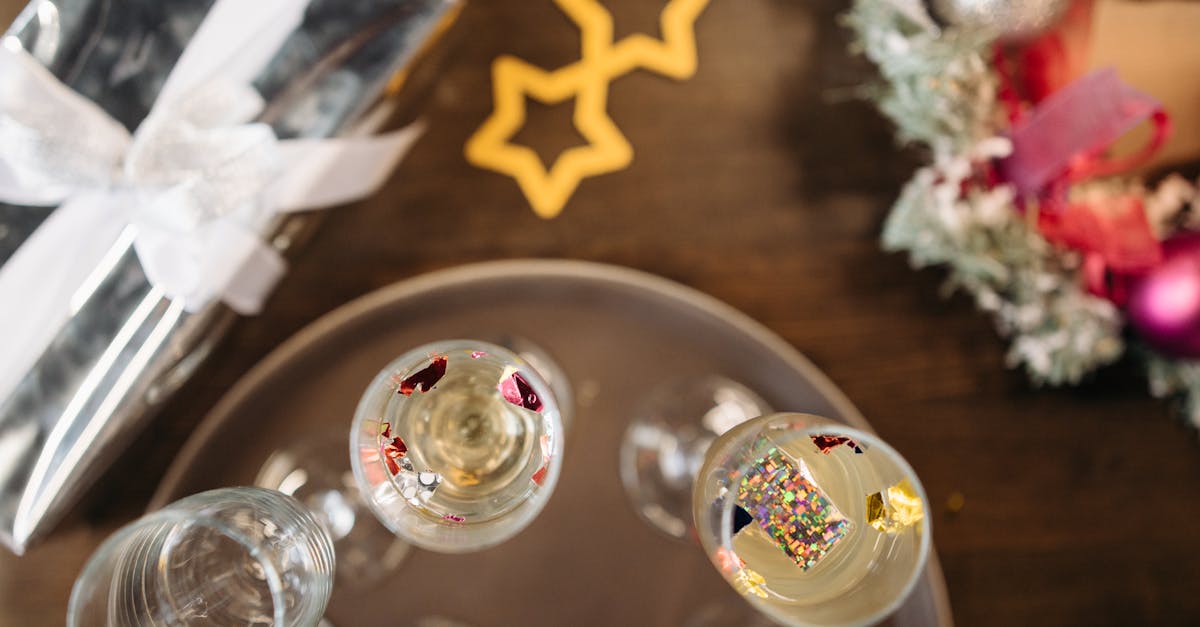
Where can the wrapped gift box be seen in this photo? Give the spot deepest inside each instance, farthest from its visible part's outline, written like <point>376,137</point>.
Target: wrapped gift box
<point>125,346</point>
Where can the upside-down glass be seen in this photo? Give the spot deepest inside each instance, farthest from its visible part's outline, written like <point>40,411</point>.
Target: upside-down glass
<point>232,556</point>
<point>812,521</point>
<point>457,445</point>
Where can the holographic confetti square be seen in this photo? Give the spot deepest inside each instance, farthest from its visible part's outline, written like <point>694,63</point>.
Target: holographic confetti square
<point>791,509</point>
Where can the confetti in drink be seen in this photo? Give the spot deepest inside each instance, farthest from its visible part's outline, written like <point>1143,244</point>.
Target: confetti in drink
<point>728,561</point>
<point>826,443</point>
<point>810,554</point>
<point>539,475</point>
<point>425,378</point>
<point>481,441</point>
<point>791,509</point>
<point>748,582</point>
<point>391,449</point>
<point>517,391</point>
<point>895,509</point>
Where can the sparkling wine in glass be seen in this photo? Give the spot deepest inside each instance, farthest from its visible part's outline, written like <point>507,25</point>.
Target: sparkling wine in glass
<point>233,556</point>
<point>812,521</point>
<point>457,445</point>
<point>664,445</point>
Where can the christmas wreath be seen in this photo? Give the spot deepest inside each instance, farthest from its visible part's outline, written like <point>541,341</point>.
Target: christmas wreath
<point>1021,199</point>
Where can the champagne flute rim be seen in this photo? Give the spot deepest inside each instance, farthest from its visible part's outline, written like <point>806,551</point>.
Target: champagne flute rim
<point>743,434</point>
<point>522,514</point>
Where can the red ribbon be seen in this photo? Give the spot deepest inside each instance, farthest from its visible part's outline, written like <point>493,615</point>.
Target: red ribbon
<point>1114,236</point>
<point>1063,140</point>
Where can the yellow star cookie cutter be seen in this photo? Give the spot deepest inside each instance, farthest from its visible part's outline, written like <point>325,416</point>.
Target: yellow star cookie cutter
<point>548,190</point>
<point>674,55</point>
<point>607,150</point>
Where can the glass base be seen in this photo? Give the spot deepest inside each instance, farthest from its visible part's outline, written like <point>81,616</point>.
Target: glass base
<point>317,472</point>
<point>664,445</point>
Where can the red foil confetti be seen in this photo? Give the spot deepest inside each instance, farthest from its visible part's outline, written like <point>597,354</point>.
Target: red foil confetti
<point>391,449</point>
<point>826,443</point>
<point>454,518</point>
<point>477,354</point>
<point>517,391</point>
<point>424,378</point>
<point>539,475</point>
<point>728,561</point>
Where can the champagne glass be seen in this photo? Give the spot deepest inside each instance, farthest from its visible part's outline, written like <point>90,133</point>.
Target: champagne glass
<point>233,556</point>
<point>457,445</point>
<point>315,471</point>
<point>664,445</point>
<point>812,521</point>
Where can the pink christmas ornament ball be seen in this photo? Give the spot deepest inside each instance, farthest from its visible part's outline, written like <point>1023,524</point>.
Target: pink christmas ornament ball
<point>1164,304</point>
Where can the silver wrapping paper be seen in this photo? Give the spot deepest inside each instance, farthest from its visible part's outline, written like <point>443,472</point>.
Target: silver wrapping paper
<point>127,348</point>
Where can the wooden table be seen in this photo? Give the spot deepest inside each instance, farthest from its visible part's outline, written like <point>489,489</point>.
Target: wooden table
<point>750,184</point>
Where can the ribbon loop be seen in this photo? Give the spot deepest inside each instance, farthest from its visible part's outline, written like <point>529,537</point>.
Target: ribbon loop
<point>1065,136</point>
<point>53,142</point>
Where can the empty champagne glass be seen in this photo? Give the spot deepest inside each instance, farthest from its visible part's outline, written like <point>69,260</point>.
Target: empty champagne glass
<point>457,445</point>
<point>664,444</point>
<point>233,556</point>
<point>812,521</point>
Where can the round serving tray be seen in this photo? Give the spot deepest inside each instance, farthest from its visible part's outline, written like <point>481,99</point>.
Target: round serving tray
<point>588,559</point>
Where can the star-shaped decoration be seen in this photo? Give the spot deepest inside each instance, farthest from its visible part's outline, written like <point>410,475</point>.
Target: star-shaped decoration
<point>548,190</point>
<point>587,80</point>
<point>674,55</point>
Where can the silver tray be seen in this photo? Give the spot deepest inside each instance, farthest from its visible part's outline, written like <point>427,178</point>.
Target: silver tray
<point>588,558</point>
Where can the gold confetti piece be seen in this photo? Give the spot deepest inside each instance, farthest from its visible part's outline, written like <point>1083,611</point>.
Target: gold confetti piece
<point>897,509</point>
<point>748,582</point>
<point>955,502</point>
<point>876,514</point>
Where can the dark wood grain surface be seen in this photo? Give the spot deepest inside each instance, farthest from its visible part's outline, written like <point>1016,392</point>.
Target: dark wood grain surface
<point>751,182</point>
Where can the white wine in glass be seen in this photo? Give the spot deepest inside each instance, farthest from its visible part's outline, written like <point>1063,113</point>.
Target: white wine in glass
<point>457,445</point>
<point>812,521</point>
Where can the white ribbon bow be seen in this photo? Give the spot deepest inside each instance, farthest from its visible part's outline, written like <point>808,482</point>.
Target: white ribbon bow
<point>194,186</point>
<point>190,182</point>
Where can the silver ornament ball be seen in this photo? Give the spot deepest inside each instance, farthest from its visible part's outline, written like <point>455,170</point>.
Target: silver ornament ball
<point>1009,20</point>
